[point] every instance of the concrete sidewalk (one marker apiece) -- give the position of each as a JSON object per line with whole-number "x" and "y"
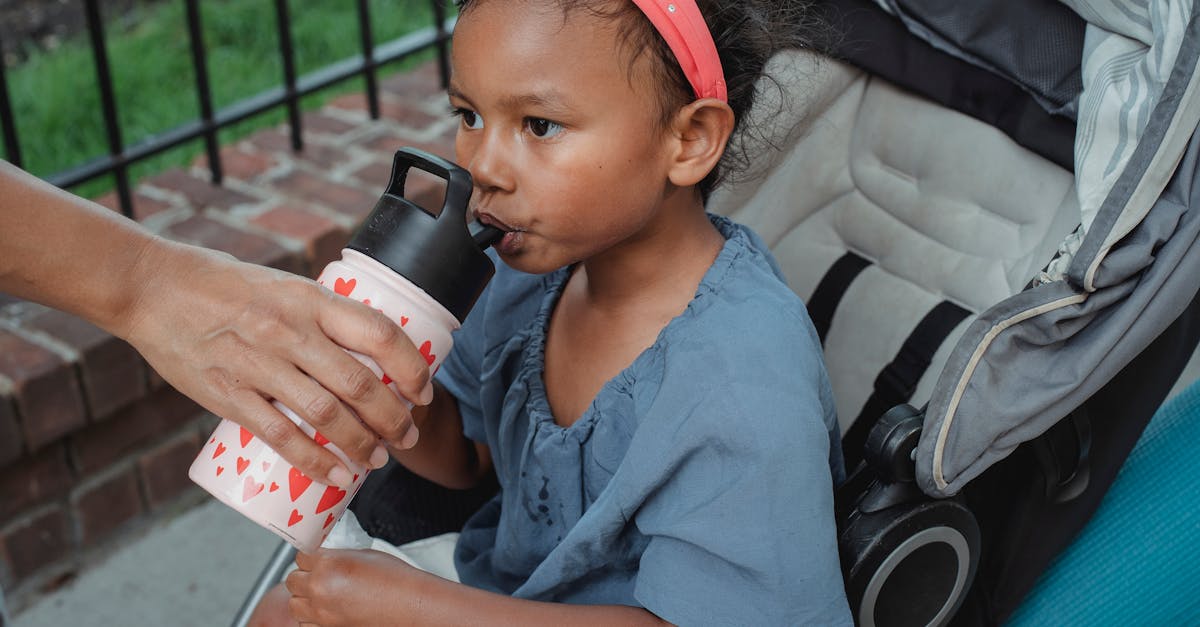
{"x": 192, "y": 571}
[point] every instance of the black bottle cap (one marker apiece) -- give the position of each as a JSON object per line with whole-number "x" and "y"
{"x": 438, "y": 253}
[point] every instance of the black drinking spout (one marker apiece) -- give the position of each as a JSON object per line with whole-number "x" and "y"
{"x": 484, "y": 235}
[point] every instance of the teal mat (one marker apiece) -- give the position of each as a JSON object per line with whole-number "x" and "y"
{"x": 1137, "y": 562}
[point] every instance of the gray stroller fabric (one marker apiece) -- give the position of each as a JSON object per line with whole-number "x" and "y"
{"x": 1035, "y": 43}
{"x": 1118, "y": 281}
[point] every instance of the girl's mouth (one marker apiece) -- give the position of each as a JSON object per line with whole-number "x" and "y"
{"x": 511, "y": 242}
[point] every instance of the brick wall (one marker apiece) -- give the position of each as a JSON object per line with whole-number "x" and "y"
{"x": 93, "y": 444}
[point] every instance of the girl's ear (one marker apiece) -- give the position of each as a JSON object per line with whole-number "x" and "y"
{"x": 701, "y": 130}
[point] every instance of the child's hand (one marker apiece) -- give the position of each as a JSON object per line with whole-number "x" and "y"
{"x": 335, "y": 587}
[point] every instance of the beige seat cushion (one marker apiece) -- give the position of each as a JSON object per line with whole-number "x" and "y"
{"x": 946, "y": 208}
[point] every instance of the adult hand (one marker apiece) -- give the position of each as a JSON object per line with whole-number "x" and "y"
{"x": 233, "y": 336}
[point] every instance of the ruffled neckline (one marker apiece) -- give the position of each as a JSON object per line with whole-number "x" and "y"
{"x": 534, "y": 361}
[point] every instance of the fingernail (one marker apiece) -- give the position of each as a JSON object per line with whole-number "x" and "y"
{"x": 379, "y": 457}
{"x": 410, "y": 438}
{"x": 341, "y": 477}
{"x": 426, "y": 394}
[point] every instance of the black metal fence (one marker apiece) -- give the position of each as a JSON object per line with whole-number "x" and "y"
{"x": 121, "y": 157}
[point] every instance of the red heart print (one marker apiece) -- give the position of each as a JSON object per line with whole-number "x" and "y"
{"x": 344, "y": 287}
{"x": 332, "y": 496}
{"x": 403, "y": 320}
{"x": 294, "y": 518}
{"x": 242, "y": 464}
{"x": 386, "y": 379}
{"x": 367, "y": 302}
{"x": 212, "y": 440}
{"x": 320, "y": 439}
{"x": 426, "y": 351}
{"x": 274, "y": 487}
{"x": 220, "y": 450}
{"x": 220, "y": 469}
{"x": 251, "y": 488}
{"x": 297, "y": 483}
{"x": 328, "y": 521}
{"x": 246, "y": 437}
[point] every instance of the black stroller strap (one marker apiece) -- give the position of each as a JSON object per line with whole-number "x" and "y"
{"x": 831, "y": 289}
{"x": 898, "y": 380}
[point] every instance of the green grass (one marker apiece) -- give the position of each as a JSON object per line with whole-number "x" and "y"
{"x": 56, "y": 101}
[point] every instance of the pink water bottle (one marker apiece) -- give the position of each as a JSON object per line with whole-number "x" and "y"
{"x": 423, "y": 271}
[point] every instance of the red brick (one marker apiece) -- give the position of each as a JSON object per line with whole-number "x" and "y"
{"x": 388, "y": 143}
{"x": 323, "y": 240}
{"x": 426, "y": 190}
{"x": 143, "y": 205}
{"x": 251, "y": 247}
{"x": 404, "y": 111}
{"x": 105, "y": 504}
{"x": 374, "y": 175}
{"x": 350, "y": 102}
{"x": 34, "y": 480}
{"x": 38, "y": 541}
{"x": 111, "y": 370}
{"x": 323, "y": 156}
{"x": 240, "y": 164}
{"x": 272, "y": 140}
{"x": 10, "y": 434}
{"x": 132, "y": 429}
{"x": 200, "y": 193}
{"x": 45, "y": 389}
{"x": 164, "y": 469}
{"x": 342, "y": 198}
{"x": 320, "y": 123}
{"x": 421, "y": 83}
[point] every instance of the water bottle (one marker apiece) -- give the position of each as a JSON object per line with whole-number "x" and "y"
{"x": 425, "y": 272}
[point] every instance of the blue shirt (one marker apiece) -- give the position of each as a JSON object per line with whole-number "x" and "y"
{"x": 698, "y": 484}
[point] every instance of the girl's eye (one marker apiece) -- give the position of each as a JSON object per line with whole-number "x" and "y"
{"x": 470, "y": 119}
{"x": 543, "y": 128}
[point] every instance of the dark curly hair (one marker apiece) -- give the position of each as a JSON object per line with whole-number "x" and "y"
{"x": 747, "y": 33}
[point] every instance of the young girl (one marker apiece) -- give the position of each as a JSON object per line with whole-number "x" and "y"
{"x": 649, "y": 393}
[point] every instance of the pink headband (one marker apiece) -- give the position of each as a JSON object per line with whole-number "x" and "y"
{"x": 682, "y": 26}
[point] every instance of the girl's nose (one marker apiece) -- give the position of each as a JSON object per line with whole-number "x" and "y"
{"x": 489, "y": 163}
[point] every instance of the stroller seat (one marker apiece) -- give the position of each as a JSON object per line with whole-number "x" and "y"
{"x": 895, "y": 219}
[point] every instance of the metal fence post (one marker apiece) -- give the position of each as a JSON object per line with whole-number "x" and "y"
{"x": 109, "y": 104}
{"x": 200, "y": 68}
{"x": 443, "y": 41}
{"x": 12, "y": 146}
{"x": 368, "y": 46}
{"x": 289, "y": 72}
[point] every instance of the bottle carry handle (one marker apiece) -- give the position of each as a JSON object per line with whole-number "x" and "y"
{"x": 458, "y": 180}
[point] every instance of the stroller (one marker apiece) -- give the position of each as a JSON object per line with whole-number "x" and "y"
{"x": 985, "y": 207}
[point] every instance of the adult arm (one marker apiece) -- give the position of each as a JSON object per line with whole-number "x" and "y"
{"x": 229, "y": 334}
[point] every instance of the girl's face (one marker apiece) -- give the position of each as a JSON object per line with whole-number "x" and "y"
{"x": 563, "y": 137}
